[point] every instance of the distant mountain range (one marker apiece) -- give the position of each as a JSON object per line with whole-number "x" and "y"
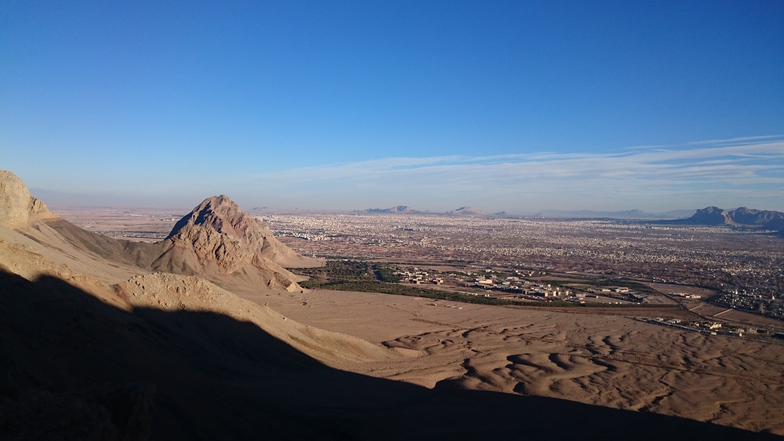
{"x": 771, "y": 220}
{"x": 626, "y": 214}
{"x": 405, "y": 209}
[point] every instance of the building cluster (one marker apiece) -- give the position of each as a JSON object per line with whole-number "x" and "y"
{"x": 514, "y": 284}
{"x": 768, "y": 304}
{"x": 418, "y": 276}
{"x": 515, "y": 287}
{"x": 706, "y": 327}
{"x": 718, "y": 258}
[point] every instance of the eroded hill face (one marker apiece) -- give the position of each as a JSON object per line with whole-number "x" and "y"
{"x": 218, "y": 234}
{"x": 217, "y": 238}
{"x": 169, "y": 292}
{"x": 17, "y": 205}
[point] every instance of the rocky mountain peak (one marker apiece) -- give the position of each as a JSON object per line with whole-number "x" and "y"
{"x": 17, "y": 205}
{"x": 225, "y": 217}
{"x": 217, "y": 236}
{"x": 711, "y": 216}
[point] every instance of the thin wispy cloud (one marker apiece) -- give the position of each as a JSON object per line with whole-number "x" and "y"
{"x": 691, "y": 175}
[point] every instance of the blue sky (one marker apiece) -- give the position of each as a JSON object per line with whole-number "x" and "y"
{"x": 516, "y": 106}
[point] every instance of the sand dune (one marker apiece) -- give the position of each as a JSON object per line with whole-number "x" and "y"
{"x": 608, "y": 361}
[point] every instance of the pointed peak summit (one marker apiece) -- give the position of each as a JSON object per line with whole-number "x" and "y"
{"x": 217, "y": 212}
{"x": 219, "y": 201}
{"x": 218, "y": 204}
{"x": 216, "y": 233}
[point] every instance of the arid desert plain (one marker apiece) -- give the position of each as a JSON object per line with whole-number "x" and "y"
{"x": 202, "y": 325}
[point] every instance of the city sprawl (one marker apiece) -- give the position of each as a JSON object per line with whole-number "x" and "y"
{"x": 742, "y": 267}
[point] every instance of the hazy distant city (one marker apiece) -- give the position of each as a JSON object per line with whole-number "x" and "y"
{"x": 743, "y": 265}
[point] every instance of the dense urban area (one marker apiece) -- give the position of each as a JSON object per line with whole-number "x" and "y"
{"x": 741, "y": 268}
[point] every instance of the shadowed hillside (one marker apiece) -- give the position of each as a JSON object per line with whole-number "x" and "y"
{"x": 73, "y": 367}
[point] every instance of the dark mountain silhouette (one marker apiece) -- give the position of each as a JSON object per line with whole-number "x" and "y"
{"x": 74, "y": 367}
{"x": 739, "y": 216}
{"x": 775, "y": 224}
{"x": 708, "y": 216}
{"x": 750, "y": 216}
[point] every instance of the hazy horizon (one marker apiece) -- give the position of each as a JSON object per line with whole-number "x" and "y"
{"x": 58, "y": 200}
{"x": 504, "y": 106}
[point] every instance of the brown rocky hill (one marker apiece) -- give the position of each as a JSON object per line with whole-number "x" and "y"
{"x": 216, "y": 238}
{"x": 17, "y": 205}
{"x": 216, "y": 241}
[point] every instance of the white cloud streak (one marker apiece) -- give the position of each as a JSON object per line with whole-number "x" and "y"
{"x": 725, "y": 172}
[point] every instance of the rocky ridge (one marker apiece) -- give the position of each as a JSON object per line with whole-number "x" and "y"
{"x": 740, "y": 216}
{"x": 18, "y": 205}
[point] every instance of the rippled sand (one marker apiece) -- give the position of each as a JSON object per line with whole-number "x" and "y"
{"x": 610, "y": 361}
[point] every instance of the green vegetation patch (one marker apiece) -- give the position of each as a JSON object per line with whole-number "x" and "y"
{"x": 384, "y": 273}
{"x": 402, "y": 290}
{"x": 353, "y": 275}
{"x": 363, "y": 276}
